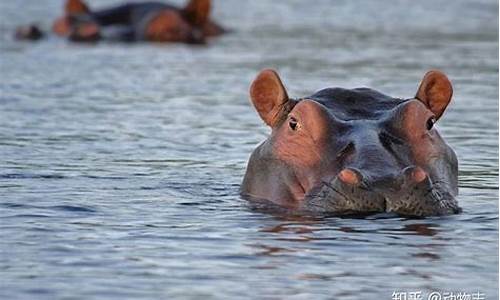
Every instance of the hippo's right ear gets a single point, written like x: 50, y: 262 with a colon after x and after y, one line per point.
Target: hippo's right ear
x: 268, y: 95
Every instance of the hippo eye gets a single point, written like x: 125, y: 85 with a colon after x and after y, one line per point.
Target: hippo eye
x: 430, y: 122
x: 293, y: 123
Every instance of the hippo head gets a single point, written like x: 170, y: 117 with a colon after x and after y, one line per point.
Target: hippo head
x: 189, y: 25
x: 353, y: 151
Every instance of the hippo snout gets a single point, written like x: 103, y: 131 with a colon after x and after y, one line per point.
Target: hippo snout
x: 411, y: 192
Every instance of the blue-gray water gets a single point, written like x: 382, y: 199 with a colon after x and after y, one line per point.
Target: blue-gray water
x: 120, y: 164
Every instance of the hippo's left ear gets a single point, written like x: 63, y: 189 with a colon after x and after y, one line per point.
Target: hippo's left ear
x: 435, y: 92
x: 197, y: 12
x: 75, y: 7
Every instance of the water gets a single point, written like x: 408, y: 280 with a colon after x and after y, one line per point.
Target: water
x: 120, y: 164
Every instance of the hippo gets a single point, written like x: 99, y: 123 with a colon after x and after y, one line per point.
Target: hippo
x: 142, y: 21
x: 353, y: 151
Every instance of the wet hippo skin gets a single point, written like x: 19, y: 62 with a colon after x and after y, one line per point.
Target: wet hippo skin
x: 351, y: 151
x: 141, y: 21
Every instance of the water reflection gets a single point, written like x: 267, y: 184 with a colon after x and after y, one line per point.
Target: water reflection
x: 423, y: 229
x: 305, y: 234
x: 349, y: 249
x: 268, y: 250
x: 143, y: 157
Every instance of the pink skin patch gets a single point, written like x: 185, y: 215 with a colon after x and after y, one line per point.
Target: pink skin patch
x: 61, y: 26
x: 418, y: 175
x: 167, y: 26
x: 88, y: 30
x: 349, y: 176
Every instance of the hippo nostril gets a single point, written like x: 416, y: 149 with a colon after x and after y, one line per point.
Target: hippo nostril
x: 419, y: 175
x: 350, y: 176
x: 414, y: 174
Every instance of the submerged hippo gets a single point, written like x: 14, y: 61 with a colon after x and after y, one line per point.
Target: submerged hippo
x: 142, y: 21
x: 352, y: 151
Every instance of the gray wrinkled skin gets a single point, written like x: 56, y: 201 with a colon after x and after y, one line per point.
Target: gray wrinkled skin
x: 422, y: 199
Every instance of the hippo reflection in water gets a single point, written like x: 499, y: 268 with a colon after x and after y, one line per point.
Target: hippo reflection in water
x: 351, y: 151
x: 142, y: 21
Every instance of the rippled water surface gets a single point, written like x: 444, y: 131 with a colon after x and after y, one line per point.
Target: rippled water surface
x: 120, y: 164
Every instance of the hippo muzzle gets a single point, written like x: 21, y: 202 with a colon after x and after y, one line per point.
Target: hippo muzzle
x: 411, y: 193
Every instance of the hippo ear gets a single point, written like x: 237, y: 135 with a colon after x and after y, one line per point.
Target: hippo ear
x: 76, y: 7
x: 268, y: 95
x: 197, y: 12
x: 435, y: 92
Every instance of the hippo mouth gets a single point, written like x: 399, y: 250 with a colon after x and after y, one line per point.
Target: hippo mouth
x: 412, y: 198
